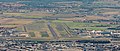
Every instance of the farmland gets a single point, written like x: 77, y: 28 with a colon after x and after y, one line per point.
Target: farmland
x: 29, y: 15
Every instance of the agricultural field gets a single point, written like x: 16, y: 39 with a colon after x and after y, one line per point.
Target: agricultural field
x: 12, y: 22
x: 38, y: 14
x: 34, y: 14
x: 95, y: 18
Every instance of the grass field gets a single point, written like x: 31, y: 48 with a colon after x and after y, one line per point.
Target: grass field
x: 37, y: 29
x: 44, y: 34
x: 80, y: 25
x: 35, y: 26
x: 32, y: 34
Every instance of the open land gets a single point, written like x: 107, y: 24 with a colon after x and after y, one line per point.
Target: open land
x: 56, y: 21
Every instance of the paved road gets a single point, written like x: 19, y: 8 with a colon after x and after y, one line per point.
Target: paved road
x: 52, y: 31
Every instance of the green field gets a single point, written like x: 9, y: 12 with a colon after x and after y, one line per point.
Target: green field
x: 32, y: 34
x: 36, y: 26
x: 44, y: 34
x: 88, y: 26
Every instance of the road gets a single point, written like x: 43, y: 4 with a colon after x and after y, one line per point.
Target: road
x: 52, y: 31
